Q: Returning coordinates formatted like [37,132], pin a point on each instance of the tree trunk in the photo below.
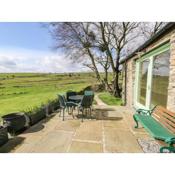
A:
[107,86]
[106,80]
[117,89]
[94,65]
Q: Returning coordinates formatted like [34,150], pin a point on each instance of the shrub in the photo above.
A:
[38,113]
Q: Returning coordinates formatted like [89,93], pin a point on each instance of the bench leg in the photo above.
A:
[137,124]
[170,149]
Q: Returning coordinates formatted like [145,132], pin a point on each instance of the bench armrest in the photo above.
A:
[143,111]
[170,140]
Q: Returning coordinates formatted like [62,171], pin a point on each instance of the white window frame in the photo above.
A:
[150,57]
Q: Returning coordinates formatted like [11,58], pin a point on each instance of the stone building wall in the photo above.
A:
[130,78]
[130,64]
[171,87]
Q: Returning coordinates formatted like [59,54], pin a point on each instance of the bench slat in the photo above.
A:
[165,117]
[168,126]
[154,127]
[160,115]
[167,111]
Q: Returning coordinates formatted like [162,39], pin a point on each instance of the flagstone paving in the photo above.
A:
[111,132]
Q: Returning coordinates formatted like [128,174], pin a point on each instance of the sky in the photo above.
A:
[27,47]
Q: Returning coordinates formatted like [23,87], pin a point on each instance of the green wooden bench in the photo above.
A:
[160,123]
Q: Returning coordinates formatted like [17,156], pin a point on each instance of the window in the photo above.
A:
[143,73]
[160,77]
[152,78]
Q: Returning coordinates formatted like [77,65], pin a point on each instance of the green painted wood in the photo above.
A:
[150,56]
[156,51]
[153,127]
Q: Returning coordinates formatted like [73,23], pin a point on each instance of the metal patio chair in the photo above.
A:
[70,93]
[66,105]
[85,104]
[89,92]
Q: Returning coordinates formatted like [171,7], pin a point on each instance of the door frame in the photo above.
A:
[150,56]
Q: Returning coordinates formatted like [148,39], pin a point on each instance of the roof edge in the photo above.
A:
[155,37]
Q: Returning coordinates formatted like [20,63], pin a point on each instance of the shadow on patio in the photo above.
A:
[11,144]
[109,130]
[104,113]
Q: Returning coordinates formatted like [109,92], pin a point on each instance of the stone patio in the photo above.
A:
[112,131]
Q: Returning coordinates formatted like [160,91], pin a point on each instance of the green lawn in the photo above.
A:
[22,91]
[109,99]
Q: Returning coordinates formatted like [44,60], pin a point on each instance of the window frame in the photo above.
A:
[150,56]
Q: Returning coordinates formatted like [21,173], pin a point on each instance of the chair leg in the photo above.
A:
[63,114]
[72,112]
[60,112]
[86,112]
[78,111]
[90,111]
[69,110]
[82,114]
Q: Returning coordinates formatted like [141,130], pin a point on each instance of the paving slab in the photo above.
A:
[85,147]
[120,141]
[103,134]
[56,141]
[119,124]
[26,148]
[89,130]
[68,125]
[32,139]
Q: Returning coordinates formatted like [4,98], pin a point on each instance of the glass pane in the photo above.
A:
[143,82]
[160,79]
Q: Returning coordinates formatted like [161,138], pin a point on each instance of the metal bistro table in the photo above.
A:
[76,98]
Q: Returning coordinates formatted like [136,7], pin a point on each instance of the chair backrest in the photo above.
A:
[165,117]
[88,93]
[91,93]
[62,101]
[86,102]
[70,93]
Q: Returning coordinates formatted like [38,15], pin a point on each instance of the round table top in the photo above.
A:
[76,97]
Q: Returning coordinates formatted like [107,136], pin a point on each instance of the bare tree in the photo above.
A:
[116,36]
[148,29]
[75,40]
[101,44]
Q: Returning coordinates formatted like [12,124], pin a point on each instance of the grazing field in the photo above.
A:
[21,91]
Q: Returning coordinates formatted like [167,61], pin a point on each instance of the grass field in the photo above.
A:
[21,91]
[109,99]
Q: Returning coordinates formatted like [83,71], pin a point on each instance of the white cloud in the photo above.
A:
[36,61]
